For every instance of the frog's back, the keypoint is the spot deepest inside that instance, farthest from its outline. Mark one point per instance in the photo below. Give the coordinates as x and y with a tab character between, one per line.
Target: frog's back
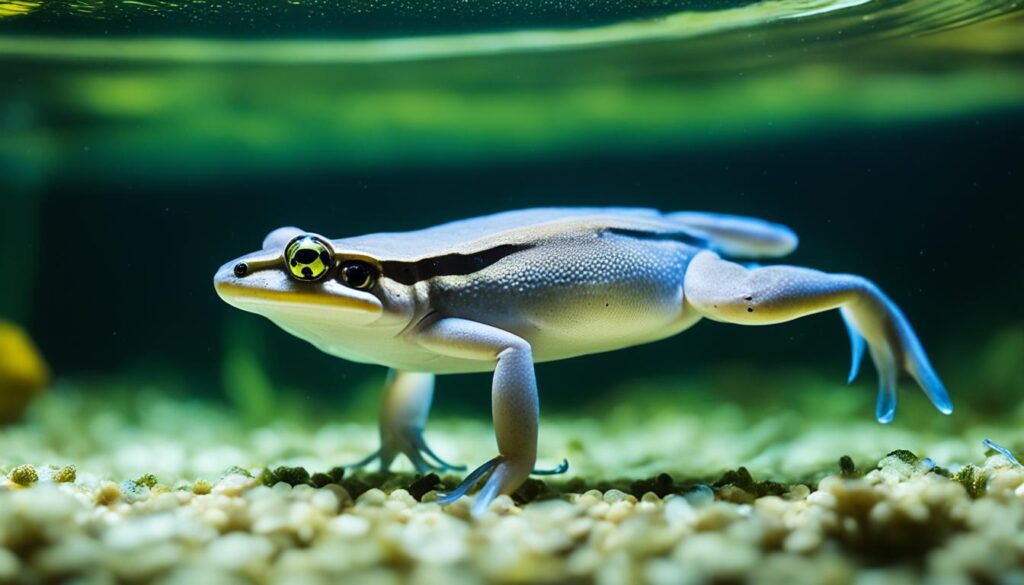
577	289
525	226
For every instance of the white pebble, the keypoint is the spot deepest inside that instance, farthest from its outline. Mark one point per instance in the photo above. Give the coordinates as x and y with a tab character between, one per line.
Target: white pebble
241	552
620	510
613	496
325	501
234	485
350	526
679	512
372	497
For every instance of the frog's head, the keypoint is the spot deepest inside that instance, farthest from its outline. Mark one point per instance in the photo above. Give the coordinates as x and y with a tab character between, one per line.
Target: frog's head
304	283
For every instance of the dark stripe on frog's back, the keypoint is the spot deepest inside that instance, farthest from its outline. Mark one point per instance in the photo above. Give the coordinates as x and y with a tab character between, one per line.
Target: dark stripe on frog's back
458	264
676	236
409	273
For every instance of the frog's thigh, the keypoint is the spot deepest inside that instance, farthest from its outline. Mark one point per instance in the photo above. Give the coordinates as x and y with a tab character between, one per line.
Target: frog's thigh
727	291
514	403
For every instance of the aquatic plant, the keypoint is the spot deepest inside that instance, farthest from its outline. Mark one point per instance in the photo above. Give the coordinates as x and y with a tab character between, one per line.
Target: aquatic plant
243	377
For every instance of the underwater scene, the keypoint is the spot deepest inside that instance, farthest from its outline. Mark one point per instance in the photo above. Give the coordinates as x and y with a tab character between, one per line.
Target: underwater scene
242	342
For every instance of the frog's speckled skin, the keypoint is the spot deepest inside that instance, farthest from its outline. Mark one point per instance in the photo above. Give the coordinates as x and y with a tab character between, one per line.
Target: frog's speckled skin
502	292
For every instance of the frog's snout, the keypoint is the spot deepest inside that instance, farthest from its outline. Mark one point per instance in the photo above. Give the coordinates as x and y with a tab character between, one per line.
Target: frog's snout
248	285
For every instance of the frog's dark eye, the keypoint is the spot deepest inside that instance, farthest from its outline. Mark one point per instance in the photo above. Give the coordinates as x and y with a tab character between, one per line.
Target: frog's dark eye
358	274
308	258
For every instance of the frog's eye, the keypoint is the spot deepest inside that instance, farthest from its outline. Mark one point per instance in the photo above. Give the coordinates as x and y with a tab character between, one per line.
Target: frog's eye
358	274
308	258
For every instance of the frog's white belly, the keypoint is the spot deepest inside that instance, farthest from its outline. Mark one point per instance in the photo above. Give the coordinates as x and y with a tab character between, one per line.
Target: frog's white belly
560	336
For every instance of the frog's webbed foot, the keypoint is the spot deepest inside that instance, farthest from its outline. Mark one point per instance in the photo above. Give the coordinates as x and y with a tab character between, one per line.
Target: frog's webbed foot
483	499
726	291
406	403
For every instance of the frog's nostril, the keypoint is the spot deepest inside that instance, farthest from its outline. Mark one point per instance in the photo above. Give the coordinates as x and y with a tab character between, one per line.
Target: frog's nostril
241	269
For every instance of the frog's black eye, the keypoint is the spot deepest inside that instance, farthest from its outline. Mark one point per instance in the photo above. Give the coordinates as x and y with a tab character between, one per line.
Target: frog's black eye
308	258
358	274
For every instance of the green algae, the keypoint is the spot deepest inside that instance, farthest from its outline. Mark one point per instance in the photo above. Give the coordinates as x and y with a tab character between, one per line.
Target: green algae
334	475
236	470
23	475
147	480
846	467
973	479
423	484
742	479
66	474
661	485
904	455
292	476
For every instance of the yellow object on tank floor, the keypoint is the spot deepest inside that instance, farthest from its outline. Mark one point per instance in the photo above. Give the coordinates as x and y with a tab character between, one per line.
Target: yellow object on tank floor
23	373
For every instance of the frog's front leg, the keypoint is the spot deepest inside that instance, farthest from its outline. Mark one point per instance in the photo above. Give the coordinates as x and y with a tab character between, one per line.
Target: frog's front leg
727	291
514	404
403	414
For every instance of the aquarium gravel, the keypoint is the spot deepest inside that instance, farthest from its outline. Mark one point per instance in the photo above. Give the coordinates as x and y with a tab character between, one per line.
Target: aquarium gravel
179	492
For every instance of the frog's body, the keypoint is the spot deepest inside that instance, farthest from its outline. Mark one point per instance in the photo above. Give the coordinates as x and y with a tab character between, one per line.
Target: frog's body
608	289
501	292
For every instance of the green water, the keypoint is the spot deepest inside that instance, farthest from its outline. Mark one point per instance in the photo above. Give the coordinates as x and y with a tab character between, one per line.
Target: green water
143	143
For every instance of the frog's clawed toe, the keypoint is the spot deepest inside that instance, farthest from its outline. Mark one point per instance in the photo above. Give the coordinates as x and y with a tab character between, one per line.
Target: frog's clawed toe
468	483
557	470
412	445
364	461
424	458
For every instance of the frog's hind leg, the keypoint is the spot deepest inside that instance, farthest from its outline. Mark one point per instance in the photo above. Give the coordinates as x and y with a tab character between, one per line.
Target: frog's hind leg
729	292
403	415
514	403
